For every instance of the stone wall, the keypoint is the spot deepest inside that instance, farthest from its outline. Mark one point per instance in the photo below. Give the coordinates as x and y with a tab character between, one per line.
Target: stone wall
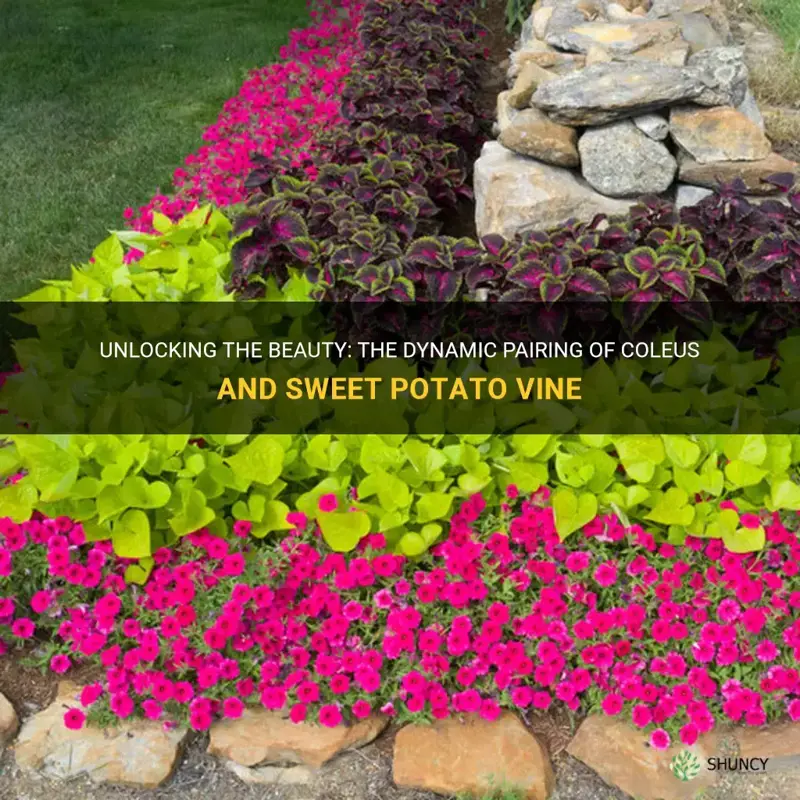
609	101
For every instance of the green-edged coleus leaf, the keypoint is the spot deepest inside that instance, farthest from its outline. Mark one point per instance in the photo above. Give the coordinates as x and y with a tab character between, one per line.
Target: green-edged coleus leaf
713	270
640	260
587	281
288	225
304	249
382	168
495	245
529	274
681	280
466	248
482	273
552	289
401	291
430	251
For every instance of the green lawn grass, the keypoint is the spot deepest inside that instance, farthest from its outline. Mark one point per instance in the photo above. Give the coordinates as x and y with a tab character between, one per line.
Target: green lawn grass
784	17
100	100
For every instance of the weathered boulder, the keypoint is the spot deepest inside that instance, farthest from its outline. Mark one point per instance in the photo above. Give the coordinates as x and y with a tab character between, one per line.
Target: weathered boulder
619	160
777	742
597	55
723	72
673	54
140	753
546	57
620	754
688	195
530	77
532	133
718	134
697	30
539	19
272	776
9	722
752	173
472	756
618	38
749	107
265	737
653	125
515	194
505	112
607	92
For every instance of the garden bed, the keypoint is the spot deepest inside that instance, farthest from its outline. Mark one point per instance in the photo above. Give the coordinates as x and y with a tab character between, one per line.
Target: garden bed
506	590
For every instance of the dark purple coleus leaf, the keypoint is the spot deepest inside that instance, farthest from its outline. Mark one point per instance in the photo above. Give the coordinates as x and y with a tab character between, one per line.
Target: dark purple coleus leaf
529	274
288	225
790	282
494	244
783	180
621	282
303	248
482	274
767	252
442	284
637	308
401	291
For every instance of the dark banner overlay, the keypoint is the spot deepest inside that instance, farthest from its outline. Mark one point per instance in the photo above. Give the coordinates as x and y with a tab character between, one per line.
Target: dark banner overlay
246	367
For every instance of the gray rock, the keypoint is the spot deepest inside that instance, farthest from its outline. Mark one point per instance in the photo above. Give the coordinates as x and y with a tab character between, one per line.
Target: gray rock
618	38
724	73
608	92
699	32
749	107
686	195
653	125
620	161
514	194
505	112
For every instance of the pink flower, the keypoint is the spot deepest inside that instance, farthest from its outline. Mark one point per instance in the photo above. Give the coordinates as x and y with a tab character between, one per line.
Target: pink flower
330	716
22	628
328	502
659	739
60	663
612	704
232	707
74	719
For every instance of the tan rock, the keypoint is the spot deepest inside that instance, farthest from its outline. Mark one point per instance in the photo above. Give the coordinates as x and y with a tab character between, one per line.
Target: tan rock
776	741
514	194
529	78
271	776
597	55
472	756
139	753
505	111
639	11
616	37
621	755
718	134
265	737
546	57
9	723
541	16
616	12
673	54
752	173
532	133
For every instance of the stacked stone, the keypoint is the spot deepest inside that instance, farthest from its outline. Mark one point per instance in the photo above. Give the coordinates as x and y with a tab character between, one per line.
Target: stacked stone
613	100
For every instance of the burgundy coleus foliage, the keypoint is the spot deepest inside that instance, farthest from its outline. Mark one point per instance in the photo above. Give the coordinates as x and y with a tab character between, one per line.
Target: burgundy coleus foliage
759	244
411	101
